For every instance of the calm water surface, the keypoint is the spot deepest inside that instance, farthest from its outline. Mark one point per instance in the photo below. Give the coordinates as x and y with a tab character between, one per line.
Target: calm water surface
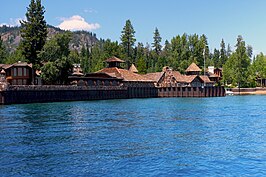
138	137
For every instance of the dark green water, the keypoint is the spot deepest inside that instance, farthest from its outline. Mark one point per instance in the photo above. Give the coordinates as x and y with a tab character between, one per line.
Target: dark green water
137	137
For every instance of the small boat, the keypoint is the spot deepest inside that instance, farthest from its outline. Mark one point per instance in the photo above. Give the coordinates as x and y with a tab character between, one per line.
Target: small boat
228	91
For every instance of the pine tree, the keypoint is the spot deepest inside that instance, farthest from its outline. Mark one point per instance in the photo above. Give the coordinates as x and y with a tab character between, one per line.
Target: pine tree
249	51
242	61
84	59
205	49
216	57
33	32
228	51
223	57
128	40
157	42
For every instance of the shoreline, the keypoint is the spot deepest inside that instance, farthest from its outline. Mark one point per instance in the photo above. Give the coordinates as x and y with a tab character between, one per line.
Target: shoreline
249	91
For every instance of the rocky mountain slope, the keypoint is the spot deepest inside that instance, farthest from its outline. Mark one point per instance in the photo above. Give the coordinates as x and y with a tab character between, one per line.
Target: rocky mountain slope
11	37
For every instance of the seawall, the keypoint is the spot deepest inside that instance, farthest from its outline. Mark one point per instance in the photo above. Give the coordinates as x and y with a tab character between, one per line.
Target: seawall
40	94
191	92
249	91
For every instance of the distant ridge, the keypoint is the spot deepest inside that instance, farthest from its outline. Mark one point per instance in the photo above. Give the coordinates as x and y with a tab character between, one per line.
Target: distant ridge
11	37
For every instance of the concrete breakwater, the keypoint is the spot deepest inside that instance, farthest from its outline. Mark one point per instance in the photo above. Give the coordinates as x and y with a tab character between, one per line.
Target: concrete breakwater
40	94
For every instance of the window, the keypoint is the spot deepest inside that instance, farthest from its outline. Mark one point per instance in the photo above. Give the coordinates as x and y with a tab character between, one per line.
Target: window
25	72
15	72
19	71
14	82
24	82
19	82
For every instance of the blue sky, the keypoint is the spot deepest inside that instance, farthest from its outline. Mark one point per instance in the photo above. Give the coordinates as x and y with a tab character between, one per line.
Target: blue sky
216	19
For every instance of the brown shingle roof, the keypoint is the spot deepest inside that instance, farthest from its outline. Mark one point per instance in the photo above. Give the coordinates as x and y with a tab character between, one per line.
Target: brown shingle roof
125	74
130	76
101	75
185	78
193	67
206	79
133	69
155	77
213	75
114	59
113	72
5	66
176	74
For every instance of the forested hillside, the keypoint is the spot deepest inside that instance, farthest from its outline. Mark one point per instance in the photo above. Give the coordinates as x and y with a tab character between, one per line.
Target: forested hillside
11	37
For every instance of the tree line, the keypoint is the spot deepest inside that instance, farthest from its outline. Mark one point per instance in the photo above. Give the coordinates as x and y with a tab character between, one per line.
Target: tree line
54	58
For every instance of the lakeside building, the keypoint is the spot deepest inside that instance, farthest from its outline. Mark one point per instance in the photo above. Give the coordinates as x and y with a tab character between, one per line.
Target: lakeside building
112	82
19	73
214	74
170	78
261	82
113	75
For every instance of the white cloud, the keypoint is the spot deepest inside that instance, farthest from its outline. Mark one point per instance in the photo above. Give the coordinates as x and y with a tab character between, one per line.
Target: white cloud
13	22
77	22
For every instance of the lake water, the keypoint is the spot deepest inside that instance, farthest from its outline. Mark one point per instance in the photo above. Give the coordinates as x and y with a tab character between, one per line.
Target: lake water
138	137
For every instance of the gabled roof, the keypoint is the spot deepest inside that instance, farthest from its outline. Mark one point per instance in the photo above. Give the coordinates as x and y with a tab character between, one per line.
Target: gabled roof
101	75
185	78
22	64
77	74
213	75
114	59
176	74
126	75
6	66
206	79
133	69
113	72
193	67
155	77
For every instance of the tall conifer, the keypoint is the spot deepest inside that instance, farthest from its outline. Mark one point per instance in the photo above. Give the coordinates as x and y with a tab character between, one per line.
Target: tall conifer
128	40
34	32
157	42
